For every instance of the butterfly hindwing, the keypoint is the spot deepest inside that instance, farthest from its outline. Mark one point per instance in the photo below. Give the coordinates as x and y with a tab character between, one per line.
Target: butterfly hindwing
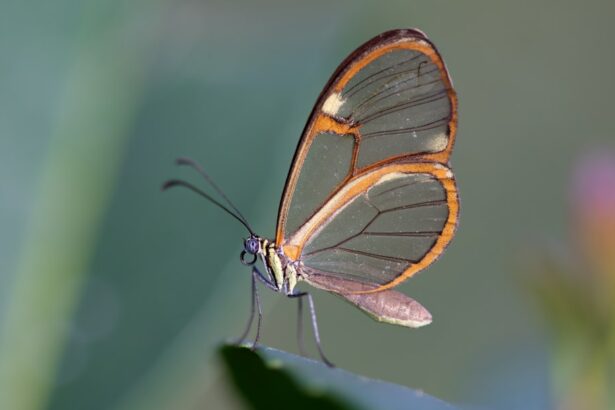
381	227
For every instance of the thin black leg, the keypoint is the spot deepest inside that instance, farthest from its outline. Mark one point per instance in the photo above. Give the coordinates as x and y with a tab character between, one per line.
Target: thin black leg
257	301
314	325
300	326
251	319
263	279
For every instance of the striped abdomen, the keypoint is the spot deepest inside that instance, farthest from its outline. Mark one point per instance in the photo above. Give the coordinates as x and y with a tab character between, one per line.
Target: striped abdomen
283	273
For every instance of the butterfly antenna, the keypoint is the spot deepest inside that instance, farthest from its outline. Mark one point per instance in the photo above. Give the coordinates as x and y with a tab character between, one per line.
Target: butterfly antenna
196	166
178	182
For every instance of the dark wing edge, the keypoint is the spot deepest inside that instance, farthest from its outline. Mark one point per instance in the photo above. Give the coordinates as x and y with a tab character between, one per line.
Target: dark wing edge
386	37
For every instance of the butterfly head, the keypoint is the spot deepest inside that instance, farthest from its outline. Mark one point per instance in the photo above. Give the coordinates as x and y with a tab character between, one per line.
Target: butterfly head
251	246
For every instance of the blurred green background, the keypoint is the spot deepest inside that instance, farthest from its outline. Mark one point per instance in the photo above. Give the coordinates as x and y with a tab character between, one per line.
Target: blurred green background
113	295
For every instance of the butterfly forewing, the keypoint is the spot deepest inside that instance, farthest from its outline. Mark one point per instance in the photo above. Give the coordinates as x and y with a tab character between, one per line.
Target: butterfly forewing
400	104
390	102
326	167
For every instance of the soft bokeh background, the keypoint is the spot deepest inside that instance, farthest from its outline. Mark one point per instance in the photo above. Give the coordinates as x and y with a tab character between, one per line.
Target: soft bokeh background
113	295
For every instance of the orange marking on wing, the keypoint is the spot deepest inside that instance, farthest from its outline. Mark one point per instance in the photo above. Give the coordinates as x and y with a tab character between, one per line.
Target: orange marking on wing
324	123
425	48
361	184
320	122
441	243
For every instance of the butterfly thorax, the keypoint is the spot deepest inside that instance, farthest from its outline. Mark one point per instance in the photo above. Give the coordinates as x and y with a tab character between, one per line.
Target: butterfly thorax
281	269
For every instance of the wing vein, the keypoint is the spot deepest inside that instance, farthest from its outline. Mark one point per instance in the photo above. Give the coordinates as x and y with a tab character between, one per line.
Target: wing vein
376	256
424	127
366	104
417	102
417	205
375	77
411	234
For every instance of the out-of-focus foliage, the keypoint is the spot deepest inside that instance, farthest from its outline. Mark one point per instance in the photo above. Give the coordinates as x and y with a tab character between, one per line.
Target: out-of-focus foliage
576	291
269	378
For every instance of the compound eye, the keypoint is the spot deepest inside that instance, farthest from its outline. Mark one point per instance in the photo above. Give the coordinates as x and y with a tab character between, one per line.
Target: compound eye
252	246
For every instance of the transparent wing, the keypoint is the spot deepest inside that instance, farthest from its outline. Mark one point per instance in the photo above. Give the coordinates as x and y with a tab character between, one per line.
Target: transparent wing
382	232
391	100
381	228
400	105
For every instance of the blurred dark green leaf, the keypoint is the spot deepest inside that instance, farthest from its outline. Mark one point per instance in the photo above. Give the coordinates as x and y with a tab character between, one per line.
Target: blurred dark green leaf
268	377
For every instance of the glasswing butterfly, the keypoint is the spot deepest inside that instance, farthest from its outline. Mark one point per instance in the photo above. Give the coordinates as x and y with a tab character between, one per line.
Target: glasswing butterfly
370	199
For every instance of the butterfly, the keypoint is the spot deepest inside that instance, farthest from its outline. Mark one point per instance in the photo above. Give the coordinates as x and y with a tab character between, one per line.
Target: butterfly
370	199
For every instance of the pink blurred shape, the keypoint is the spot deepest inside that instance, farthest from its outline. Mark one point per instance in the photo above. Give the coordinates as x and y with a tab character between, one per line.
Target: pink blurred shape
594	184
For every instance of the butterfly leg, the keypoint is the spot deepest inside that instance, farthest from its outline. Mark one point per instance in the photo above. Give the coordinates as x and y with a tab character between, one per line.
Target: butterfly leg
314	324
300	326
256	306
251	319
257	302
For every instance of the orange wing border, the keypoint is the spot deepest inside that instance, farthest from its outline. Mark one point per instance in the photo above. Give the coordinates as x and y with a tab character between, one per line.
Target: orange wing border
319	122
294	246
